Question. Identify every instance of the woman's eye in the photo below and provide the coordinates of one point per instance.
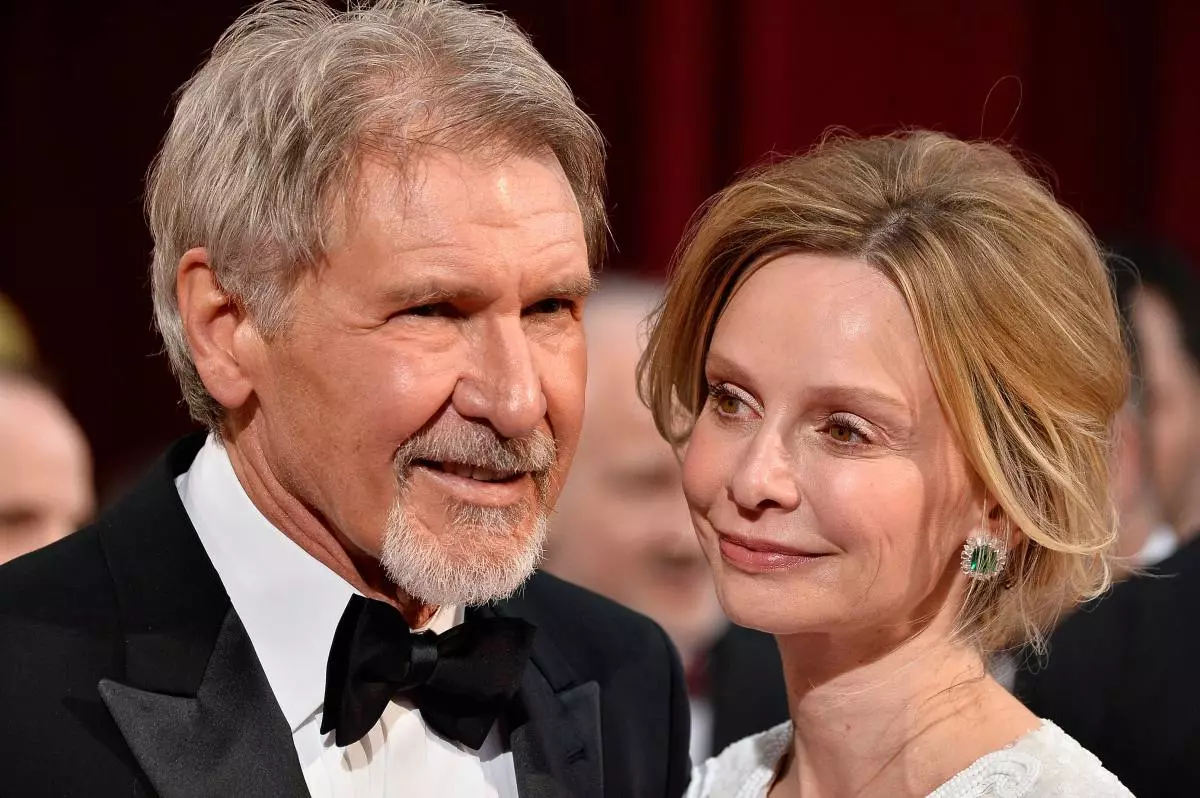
(841, 433)
(845, 431)
(728, 405)
(731, 402)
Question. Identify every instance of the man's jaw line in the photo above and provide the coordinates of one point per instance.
(306, 527)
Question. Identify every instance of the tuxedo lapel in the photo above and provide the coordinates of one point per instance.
(554, 727)
(229, 739)
(193, 705)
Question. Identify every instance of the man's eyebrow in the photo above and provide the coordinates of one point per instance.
(577, 287)
(433, 292)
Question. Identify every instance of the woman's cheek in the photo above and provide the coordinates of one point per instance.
(704, 465)
(864, 505)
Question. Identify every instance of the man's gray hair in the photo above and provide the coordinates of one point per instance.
(264, 146)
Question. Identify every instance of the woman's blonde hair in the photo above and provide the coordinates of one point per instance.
(1014, 312)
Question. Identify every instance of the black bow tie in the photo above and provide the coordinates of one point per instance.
(460, 680)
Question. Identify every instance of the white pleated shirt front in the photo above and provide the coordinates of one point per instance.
(290, 605)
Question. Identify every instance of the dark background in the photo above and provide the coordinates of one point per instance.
(688, 92)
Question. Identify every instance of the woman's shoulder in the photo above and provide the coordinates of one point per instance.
(1043, 763)
(744, 769)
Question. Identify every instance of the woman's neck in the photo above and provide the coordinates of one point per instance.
(889, 717)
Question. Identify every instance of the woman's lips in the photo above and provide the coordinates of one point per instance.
(761, 556)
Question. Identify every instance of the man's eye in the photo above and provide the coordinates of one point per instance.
(437, 309)
(549, 306)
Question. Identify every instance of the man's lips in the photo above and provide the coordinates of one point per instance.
(756, 556)
(469, 471)
(474, 484)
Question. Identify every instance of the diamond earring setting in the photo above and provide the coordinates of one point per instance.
(983, 557)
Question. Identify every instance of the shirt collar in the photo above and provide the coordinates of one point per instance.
(289, 602)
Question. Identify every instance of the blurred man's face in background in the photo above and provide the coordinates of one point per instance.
(45, 469)
(622, 526)
(1171, 381)
(1132, 484)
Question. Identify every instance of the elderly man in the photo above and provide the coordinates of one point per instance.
(374, 234)
(45, 468)
(622, 529)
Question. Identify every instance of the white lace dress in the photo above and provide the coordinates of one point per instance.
(1045, 763)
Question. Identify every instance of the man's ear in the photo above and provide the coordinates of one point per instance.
(215, 327)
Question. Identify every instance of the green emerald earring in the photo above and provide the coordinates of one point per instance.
(983, 557)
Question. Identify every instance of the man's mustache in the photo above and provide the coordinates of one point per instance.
(479, 446)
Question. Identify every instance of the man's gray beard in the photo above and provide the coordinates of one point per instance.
(457, 567)
(439, 572)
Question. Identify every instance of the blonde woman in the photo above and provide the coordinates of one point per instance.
(891, 367)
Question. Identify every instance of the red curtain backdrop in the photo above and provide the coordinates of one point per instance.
(1102, 93)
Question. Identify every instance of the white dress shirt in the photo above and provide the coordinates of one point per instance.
(290, 605)
(700, 743)
(1160, 544)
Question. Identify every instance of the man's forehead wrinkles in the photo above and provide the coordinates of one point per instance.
(436, 218)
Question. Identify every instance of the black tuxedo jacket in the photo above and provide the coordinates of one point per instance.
(745, 686)
(124, 671)
(1121, 678)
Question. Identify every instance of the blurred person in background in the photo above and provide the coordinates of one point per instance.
(1144, 538)
(622, 528)
(1164, 312)
(1146, 460)
(46, 489)
(16, 343)
(1120, 675)
(46, 485)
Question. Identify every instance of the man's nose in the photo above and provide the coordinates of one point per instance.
(502, 385)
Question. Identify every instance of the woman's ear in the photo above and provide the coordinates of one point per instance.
(999, 525)
(1017, 548)
(212, 321)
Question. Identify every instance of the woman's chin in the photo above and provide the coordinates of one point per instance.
(774, 616)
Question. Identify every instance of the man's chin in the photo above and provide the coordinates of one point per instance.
(468, 564)
(466, 589)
